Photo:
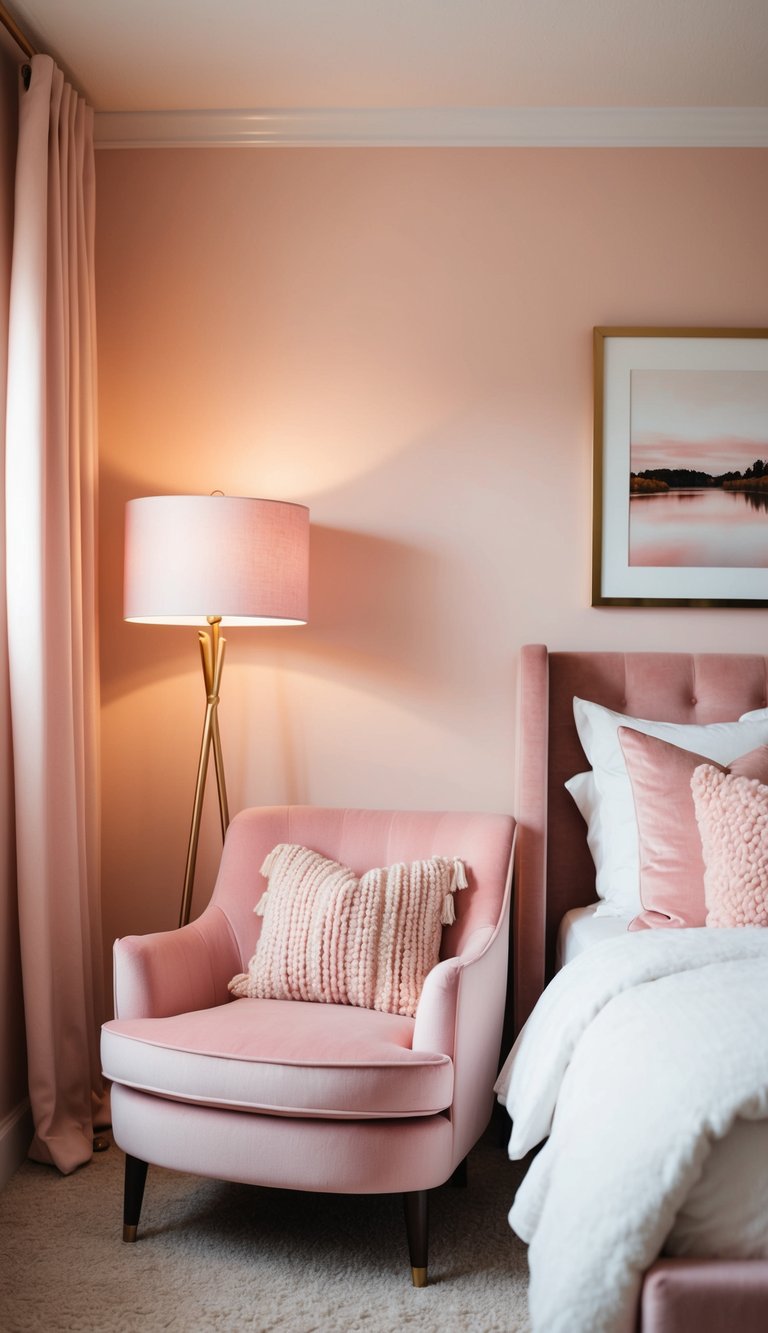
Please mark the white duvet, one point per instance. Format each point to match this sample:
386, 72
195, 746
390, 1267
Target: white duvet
645, 1063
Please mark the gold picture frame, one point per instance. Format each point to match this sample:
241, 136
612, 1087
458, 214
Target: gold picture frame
691, 405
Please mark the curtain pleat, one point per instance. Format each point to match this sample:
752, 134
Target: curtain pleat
51, 496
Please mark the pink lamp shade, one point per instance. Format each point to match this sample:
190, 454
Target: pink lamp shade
188, 557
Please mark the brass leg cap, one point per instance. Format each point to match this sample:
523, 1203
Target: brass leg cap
419, 1277
129, 1232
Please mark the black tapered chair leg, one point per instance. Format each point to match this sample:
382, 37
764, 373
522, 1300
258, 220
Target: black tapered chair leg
135, 1180
459, 1176
417, 1229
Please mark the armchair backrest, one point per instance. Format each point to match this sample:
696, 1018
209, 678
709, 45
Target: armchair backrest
365, 840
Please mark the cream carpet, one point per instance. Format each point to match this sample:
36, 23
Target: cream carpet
213, 1255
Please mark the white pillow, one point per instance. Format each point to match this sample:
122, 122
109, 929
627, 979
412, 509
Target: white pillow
609, 808
583, 789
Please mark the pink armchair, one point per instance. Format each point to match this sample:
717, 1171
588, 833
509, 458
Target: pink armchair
308, 1096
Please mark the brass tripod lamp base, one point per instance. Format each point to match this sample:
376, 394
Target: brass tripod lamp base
212, 647
186, 555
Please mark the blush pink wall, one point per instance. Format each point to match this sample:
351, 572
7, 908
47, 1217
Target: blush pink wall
400, 339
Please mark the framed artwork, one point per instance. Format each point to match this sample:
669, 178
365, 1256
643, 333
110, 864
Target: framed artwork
680, 467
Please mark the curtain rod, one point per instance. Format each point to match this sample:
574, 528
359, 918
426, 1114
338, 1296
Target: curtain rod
19, 37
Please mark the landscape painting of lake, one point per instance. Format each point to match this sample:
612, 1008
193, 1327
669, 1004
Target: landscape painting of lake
698, 468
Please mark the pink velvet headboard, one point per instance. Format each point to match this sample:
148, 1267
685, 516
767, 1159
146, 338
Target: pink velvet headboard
554, 870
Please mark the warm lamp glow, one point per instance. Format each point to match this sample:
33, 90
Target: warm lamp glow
213, 560
191, 557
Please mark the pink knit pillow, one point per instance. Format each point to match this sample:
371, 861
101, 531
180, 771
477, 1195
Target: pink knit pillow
339, 939
732, 814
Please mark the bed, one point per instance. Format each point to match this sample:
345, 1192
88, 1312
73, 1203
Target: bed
555, 879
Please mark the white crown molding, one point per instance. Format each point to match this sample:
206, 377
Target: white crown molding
425, 127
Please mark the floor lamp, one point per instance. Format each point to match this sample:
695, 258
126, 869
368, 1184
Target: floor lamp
217, 560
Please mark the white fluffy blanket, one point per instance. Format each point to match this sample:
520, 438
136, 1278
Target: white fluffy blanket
638, 1057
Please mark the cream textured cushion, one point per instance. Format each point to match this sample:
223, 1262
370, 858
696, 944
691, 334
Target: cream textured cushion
332, 937
732, 814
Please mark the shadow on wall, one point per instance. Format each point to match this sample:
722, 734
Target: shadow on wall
371, 629
395, 695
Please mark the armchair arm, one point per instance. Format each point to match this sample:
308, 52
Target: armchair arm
479, 1025
461, 1013
175, 971
435, 1019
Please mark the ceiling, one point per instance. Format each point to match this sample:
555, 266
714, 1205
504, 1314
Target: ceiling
281, 55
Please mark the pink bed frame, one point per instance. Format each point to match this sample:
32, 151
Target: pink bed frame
554, 872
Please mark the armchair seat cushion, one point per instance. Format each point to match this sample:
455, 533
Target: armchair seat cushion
281, 1057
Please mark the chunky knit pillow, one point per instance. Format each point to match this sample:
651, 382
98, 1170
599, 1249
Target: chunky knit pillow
339, 939
732, 815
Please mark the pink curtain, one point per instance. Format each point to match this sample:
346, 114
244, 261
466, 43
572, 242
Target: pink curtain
51, 599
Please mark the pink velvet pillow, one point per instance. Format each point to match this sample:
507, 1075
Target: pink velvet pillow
671, 862
332, 937
732, 815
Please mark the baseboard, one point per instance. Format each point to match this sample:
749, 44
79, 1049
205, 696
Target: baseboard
15, 1137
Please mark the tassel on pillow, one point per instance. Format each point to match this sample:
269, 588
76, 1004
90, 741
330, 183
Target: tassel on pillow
459, 874
269, 860
458, 881
266, 871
